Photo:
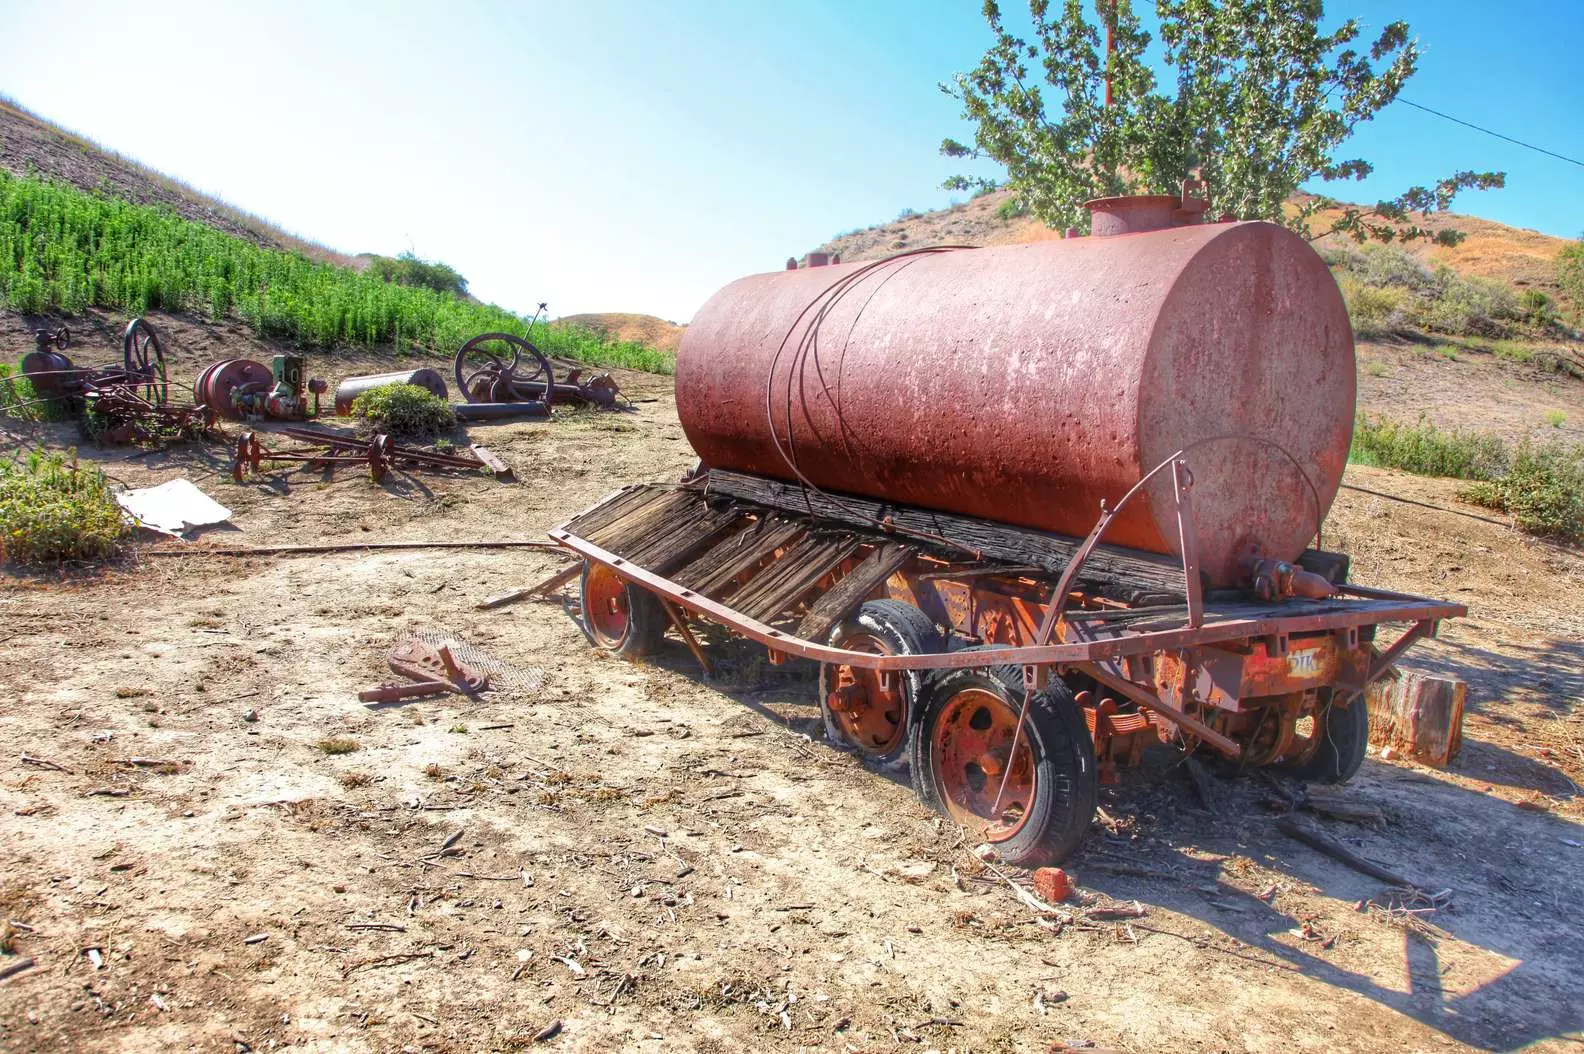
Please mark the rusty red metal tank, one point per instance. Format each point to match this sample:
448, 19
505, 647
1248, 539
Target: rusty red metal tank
1028, 383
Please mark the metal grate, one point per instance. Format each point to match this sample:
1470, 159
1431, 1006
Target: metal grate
504, 677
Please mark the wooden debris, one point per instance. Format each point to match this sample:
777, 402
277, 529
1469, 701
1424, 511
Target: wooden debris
1201, 783
499, 468
44, 763
12, 969
1419, 716
550, 1031
1340, 853
549, 585
384, 960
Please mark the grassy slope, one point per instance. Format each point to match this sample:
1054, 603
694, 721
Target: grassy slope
104, 231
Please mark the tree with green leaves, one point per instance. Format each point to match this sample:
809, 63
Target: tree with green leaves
1265, 99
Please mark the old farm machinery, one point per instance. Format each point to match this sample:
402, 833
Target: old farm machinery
901, 468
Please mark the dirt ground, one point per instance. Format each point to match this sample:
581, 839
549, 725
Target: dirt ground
647, 859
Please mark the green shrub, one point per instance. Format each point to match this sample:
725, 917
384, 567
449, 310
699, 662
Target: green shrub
1375, 311
1424, 449
52, 511
407, 269
1570, 277
1543, 491
405, 410
1469, 306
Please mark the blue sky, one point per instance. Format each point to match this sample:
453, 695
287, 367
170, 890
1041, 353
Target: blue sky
617, 155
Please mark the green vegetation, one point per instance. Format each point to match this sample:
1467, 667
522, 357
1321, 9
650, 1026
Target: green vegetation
1391, 292
1426, 450
1541, 487
1543, 491
1261, 97
62, 250
405, 410
1570, 277
407, 269
338, 745
52, 511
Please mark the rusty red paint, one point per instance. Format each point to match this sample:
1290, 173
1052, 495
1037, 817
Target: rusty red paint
1028, 383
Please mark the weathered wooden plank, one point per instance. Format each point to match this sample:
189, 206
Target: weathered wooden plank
680, 541
853, 589
613, 508
1128, 574
1419, 716
714, 570
799, 578
640, 523
793, 557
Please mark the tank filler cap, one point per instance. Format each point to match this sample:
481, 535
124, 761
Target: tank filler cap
1136, 213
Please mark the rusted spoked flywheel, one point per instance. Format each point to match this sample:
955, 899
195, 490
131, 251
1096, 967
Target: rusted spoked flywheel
144, 361
873, 711
985, 783
502, 368
1029, 792
624, 619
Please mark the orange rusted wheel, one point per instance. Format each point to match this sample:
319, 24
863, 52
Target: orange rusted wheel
985, 783
870, 710
621, 618
1033, 800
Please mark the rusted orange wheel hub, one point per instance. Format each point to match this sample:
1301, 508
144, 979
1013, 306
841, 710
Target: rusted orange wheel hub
971, 744
605, 606
868, 706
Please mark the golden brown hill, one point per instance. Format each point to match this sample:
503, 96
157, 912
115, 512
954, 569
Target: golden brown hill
1523, 258
643, 329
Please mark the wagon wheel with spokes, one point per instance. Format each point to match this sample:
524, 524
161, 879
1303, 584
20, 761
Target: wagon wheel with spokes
144, 361
501, 368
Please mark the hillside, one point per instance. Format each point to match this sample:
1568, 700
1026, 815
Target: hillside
1521, 258
31, 145
654, 332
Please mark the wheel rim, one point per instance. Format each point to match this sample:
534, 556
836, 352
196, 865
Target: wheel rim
868, 714
491, 366
605, 608
970, 745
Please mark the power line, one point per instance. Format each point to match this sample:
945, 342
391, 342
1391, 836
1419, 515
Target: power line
1498, 135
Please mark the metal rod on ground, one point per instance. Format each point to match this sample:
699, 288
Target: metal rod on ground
289, 550
555, 581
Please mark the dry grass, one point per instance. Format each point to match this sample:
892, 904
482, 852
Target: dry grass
338, 745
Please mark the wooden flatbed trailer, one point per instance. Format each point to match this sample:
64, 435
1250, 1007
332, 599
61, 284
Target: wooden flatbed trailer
1011, 670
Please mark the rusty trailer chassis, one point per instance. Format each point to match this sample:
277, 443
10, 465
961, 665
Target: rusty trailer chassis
1145, 653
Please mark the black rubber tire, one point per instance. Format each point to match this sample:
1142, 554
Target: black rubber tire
908, 631
646, 621
1341, 749
1066, 778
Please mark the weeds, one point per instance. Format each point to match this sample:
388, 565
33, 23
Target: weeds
1390, 291
1424, 449
405, 410
353, 780
52, 510
63, 250
1555, 418
1543, 491
338, 745
1541, 488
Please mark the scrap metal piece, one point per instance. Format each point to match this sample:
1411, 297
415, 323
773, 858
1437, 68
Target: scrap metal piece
493, 367
347, 391
423, 661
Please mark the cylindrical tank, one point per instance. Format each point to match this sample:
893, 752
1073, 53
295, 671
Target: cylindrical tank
348, 390
1027, 383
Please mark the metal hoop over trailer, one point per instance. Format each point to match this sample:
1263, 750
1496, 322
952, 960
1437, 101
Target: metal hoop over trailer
897, 458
